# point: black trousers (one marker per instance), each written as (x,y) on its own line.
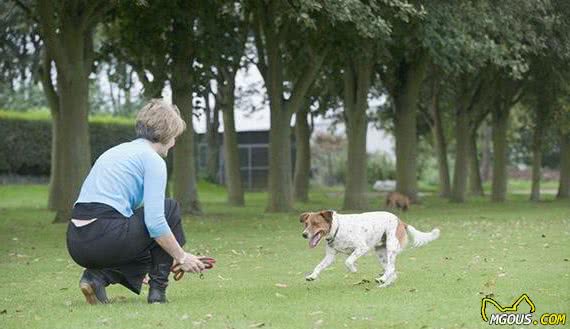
(121,249)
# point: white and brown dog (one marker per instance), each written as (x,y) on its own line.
(356,234)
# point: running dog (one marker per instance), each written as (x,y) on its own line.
(356,234)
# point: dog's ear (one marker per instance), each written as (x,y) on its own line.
(327,215)
(303,217)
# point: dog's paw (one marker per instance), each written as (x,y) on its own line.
(383,285)
(384,281)
(311,277)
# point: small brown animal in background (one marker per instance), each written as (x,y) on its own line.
(397,200)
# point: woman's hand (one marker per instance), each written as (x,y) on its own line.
(189,263)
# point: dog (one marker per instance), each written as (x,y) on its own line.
(397,200)
(356,234)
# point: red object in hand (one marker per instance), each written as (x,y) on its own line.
(207,261)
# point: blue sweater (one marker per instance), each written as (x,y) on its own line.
(125,177)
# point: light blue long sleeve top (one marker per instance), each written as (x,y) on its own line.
(126,177)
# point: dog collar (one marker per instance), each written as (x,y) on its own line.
(331,240)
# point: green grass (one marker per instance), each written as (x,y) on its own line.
(485,248)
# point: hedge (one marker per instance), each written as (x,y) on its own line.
(26,140)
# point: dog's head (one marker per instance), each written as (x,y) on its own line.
(317,225)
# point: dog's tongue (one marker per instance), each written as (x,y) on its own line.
(315,240)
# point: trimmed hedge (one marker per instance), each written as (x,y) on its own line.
(26,140)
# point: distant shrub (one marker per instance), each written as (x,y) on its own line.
(380,167)
(25,138)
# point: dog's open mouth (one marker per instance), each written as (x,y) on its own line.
(315,239)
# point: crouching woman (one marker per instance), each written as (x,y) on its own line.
(122,227)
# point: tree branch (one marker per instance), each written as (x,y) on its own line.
(44,72)
(27,10)
(99,10)
(47,26)
(304,82)
(259,44)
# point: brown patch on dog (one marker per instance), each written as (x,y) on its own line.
(327,215)
(401,233)
(397,200)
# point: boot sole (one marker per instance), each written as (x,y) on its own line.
(89,293)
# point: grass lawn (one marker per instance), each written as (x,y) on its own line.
(485,248)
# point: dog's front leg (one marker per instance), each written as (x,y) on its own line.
(326,262)
(360,251)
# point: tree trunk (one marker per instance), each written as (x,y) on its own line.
(564,184)
(55,164)
(475,181)
(67,33)
(461,152)
(303,155)
(233,180)
(486,152)
(500,155)
(53,101)
(280,198)
(406,100)
(184,166)
(357,81)
(537,154)
(72,137)
(213,160)
(440,148)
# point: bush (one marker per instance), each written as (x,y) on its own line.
(380,167)
(26,140)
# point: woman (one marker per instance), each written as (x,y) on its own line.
(111,234)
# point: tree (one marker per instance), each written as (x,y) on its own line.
(545,89)
(20,46)
(562,117)
(212,116)
(67,33)
(224,46)
(273,24)
(442,34)
(226,98)
(160,41)
(433,107)
(564,185)
(321,97)
(507,94)
(358,71)
(546,79)
(303,155)
(359,41)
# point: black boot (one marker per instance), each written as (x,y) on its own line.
(158,284)
(92,285)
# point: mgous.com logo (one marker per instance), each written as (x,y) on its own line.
(509,315)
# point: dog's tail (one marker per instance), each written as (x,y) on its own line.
(420,238)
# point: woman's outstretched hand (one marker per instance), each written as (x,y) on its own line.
(189,263)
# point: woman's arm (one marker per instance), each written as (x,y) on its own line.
(187,261)
(154,189)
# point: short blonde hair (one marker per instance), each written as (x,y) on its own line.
(159,122)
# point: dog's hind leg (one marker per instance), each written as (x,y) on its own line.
(382,256)
(392,248)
